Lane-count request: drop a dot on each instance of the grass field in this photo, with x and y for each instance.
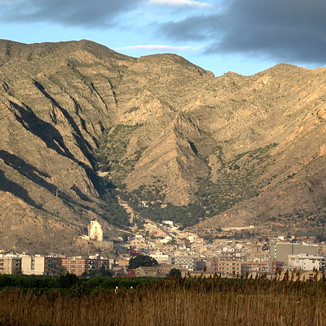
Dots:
(185, 302)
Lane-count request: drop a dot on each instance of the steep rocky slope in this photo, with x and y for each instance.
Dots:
(52, 115)
(275, 145)
(78, 120)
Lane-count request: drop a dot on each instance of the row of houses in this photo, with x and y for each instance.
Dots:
(45, 265)
(259, 258)
(237, 267)
(229, 260)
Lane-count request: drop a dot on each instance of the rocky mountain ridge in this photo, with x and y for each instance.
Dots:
(82, 124)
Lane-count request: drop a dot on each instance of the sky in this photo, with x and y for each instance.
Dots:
(243, 36)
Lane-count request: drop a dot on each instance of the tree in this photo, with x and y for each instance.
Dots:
(102, 271)
(140, 261)
(174, 272)
(68, 280)
(61, 271)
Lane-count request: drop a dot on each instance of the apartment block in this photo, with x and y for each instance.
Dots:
(306, 262)
(10, 265)
(187, 262)
(250, 267)
(279, 251)
(80, 265)
(52, 265)
(75, 265)
(232, 254)
(33, 265)
(232, 267)
(94, 264)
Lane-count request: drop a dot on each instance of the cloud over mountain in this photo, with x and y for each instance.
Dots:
(158, 47)
(88, 13)
(282, 30)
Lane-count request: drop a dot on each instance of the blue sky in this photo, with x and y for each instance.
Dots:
(243, 36)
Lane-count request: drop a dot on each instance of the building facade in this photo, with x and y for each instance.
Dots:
(306, 262)
(235, 267)
(95, 231)
(280, 251)
(33, 265)
(187, 262)
(81, 266)
(231, 254)
(229, 267)
(10, 265)
(52, 265)
(161, 258)
(251, 267)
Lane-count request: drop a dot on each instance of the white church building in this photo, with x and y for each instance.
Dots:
(95, 231)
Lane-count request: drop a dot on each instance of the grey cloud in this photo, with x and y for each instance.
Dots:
(88, 13)
(280, 29)
(194, 28)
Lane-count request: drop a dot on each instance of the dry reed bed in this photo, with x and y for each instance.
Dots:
(168, 304)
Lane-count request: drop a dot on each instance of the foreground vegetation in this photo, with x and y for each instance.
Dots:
(71, 301)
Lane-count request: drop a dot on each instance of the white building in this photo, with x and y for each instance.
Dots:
(95, 231)
(187, 262)
(33, 265)
(161, 258)
(306, 262)
(10, 264)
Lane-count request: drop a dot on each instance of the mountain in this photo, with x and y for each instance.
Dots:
(84, 128)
